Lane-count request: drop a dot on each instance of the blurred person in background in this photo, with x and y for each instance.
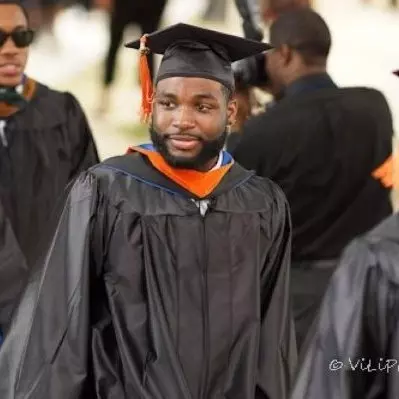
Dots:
(328, 148)
(42, 15)
(246, 107)
(272, 9)
(147, 15)
(215, 11)
(353, 350)
(49, 11)
(45, 142)
(256, 13)
(244, 92)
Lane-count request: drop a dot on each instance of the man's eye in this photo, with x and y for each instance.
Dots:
(204, 108)
(167, 104)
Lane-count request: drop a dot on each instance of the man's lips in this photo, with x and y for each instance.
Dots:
(183, 142)
(10, 69)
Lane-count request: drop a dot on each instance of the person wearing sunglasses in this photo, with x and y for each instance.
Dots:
(45, 141)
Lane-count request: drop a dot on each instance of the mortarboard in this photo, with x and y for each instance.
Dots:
(396, 72)
(192, 51)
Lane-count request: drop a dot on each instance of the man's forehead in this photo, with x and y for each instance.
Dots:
(11, 16)
(195, 86)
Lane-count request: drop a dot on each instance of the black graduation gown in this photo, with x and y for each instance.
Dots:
(321, 147)
(142, 297)
(354, 351)
(45, 145)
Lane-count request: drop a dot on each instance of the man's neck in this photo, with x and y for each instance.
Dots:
(308, 83)
(211, 164)
(305, 72)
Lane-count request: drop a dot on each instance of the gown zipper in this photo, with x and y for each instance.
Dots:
(3, 135)
(205, 304)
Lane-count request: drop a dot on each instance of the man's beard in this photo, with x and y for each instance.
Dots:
(210, 150)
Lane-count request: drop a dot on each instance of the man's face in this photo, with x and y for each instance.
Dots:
(189, 121)
(246, 102)
(276, 68)
(12, 58)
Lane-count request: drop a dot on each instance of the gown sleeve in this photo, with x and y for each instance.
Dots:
(278, 354)
(84, 151)
(353, 350)
(46, 353)
(13, 270)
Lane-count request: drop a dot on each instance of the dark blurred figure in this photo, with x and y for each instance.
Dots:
(215, 11)
(145, 13)
(42, 14)
(246, 102)
(272, 9)
(354, 351)
(50, 10)
(45, 141)
(328, 148)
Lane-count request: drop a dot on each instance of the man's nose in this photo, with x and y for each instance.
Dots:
(184, 119)
(9, 47)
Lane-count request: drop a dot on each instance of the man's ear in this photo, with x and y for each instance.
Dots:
(232, 109)
(286, 54)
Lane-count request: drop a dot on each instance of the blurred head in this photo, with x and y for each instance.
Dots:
(189, 120)
(302, 42)
(15, 38)
(246, 103)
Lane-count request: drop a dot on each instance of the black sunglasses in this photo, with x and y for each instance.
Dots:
(21, 38)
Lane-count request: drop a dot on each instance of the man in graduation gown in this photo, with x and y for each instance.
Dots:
(168, 274)
(354, 350)
(45, 142)
(328, 148)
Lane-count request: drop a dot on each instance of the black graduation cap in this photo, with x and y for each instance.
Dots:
(396, 72)
(192, 51)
